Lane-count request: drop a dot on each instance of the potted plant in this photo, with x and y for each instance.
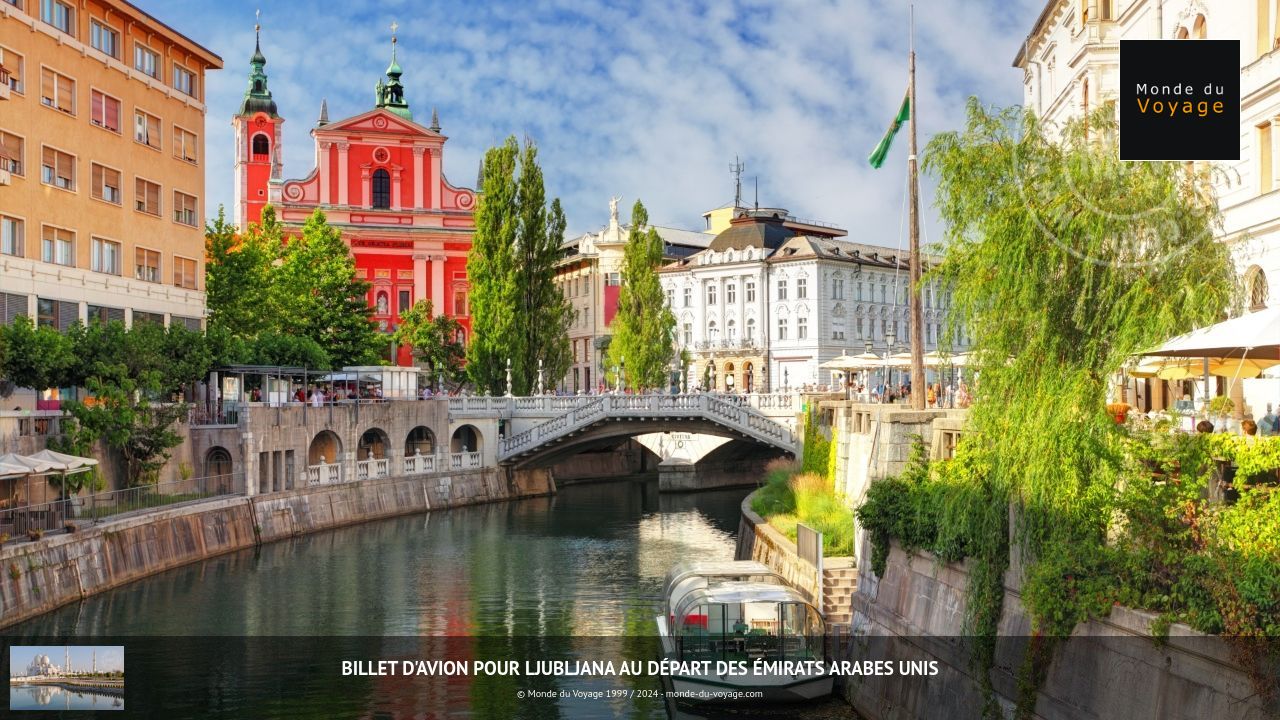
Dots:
(35, 534)
(1221, 407)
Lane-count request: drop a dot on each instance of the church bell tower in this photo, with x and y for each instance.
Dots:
(258, 135)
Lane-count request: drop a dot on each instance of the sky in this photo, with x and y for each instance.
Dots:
(648, 99)
(110, 657)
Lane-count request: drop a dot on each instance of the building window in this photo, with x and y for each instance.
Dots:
(184, 208)
(262, 148)
(730, 294)
(59, 15)
(782, 328)
(837, 288)
(10, 236)
(688, 297)
(802, 328)
(406, 300)
(103, 314)
(57, 246)
(146, 317)
(381, 188)
(104, 38)
(860, 328)
(751, 291)
(802, 288)
(731, 331)
(751, 330)
(146, 265)
(711, 294)
(613, 279)
(782, 289)
(16, 66)
(57, 314)
(184, 81)
(688, 334)
(11, 152)
(713, 332)
(146, 128)
(57, 91)
(147, 197)
(104, 111)
(146, 61)
(460, 302)
(671, 297)
(184, 145)
(184, 272)
(58, 169)
(106, 183)
(104, 256)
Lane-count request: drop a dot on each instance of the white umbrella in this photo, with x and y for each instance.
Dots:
(854, 362)
(65, 463)
(896, 360)
(1254, 335)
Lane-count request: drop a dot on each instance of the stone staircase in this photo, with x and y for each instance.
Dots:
(839, 580)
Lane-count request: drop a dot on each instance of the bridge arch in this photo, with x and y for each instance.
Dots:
(466, 438)
(326, 447)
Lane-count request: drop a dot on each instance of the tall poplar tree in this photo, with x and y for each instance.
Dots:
(319, 296)
(517, 312)
(643, 324)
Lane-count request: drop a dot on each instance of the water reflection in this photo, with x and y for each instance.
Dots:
(56, 697)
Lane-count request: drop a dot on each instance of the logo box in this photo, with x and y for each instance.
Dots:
(1179, 99)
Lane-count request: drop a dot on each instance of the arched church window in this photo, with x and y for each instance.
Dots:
(1256, 281)
(261, 146)
(381, 188)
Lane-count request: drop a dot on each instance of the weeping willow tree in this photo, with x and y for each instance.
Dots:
(1062, 262)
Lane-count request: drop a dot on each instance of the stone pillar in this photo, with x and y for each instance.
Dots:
(250, 463)
(366, 189)
(437, 283)
(419, 177)
(395, 189)
(419, 277)
(437, 183)
(343, 178)
(324, 172)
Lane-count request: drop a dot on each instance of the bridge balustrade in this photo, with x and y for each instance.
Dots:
(324, 474)
(372, 468)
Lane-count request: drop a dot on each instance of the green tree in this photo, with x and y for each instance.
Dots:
(517, 312)
(643, 326)
(434, 339)
(543, 313)
(489, 269)
(238, 274)
(272, 348)
(139, 431)
(35, 357)
(318, 295)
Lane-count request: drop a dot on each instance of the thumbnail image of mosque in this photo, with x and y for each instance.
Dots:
(69, 677)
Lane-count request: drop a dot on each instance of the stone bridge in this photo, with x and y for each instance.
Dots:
(581, 422)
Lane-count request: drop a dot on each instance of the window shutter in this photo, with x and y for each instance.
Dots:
(97, 107)
(111, 107)
(47, 87)
(98, 176)
(66, 94)
(11, 306)
(49, 158)
(114, 314)
(68, 313)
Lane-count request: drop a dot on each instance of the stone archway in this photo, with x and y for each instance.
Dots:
(325, 448)
(420, 440)
(466, 439)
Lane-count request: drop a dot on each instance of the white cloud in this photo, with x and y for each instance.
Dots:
(647, 99)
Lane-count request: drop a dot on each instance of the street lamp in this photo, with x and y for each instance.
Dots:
(890, 339)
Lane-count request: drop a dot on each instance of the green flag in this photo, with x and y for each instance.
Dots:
(904, 114)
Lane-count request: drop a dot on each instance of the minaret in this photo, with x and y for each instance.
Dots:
(258, 134)
(95, 661)
(66, 660)
(390, 95)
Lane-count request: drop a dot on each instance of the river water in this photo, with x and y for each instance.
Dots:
(54, 697)
(263, 633)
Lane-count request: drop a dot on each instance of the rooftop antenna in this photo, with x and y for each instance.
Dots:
(736, 168)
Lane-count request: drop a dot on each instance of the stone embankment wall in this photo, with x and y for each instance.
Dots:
(757, 540)
(1110, 668)
(65, 567)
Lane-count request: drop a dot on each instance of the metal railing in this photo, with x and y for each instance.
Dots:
(96, 507)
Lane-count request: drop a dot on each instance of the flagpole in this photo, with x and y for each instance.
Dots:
(917, 320)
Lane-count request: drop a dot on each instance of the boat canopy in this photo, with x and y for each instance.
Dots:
(736, 593)
(687, 576)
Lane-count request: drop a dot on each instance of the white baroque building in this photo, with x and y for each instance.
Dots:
(1071, 65)
(772, 298)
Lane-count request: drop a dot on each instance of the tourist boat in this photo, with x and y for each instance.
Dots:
(740, 616)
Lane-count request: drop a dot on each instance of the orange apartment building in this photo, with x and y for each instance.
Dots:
(101, 165)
